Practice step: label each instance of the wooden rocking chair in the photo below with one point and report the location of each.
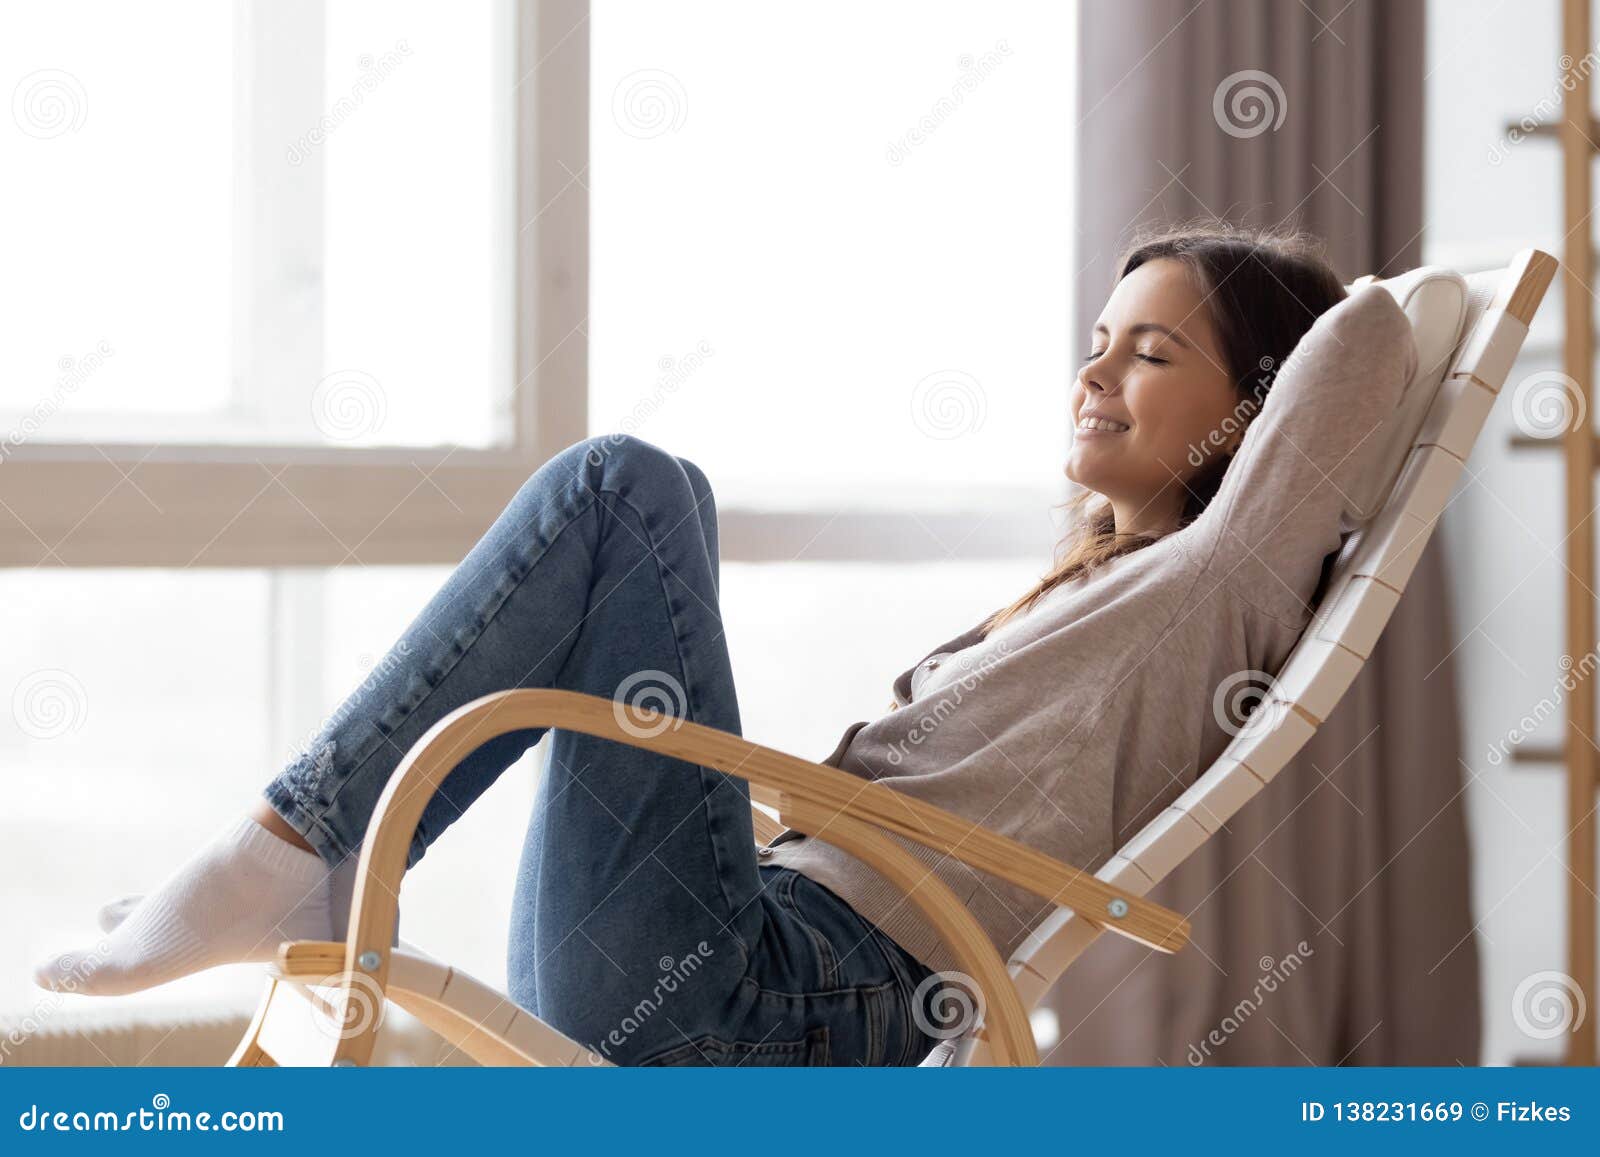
(323, 1001)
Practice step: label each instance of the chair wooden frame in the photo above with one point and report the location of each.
(809, 797)
(345, 985)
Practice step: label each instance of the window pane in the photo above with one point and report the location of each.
(834, 636)
(147, 707)
(144, 709)
(135, 727)
(258, 222)
(117, 220)
(419, 209)
(831, 242)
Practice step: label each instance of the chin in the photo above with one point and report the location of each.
(1100, 477)
(1081, 477)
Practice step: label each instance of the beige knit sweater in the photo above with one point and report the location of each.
(1078, 722)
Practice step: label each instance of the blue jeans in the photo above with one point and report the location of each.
(644, 925)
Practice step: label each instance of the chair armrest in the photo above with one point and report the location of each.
(786, 782)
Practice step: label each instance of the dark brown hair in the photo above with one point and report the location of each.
(1262, 288)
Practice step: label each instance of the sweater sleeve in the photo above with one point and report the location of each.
(1280, 509)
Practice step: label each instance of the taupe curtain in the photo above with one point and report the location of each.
(1332, 919)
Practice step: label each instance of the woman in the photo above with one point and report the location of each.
(1065, 720)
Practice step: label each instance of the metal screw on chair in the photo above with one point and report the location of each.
(1118, 907)
(369, 960)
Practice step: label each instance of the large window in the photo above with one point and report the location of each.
(258, 222)
(825, 252)
(830, 250)
(293, 290)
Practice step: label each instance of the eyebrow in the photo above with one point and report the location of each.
(1147, 327)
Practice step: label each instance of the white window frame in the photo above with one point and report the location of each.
(149, 504)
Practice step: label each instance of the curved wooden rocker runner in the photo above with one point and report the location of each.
(323, 1001)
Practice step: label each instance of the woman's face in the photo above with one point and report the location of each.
(1154, 402)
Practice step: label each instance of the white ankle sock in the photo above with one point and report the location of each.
(238, 899)
(116, 912)
(341, 885)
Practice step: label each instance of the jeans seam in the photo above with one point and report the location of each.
(763, 993)
(683, 669)
(304, 810)
(877, 1028)
(814, 1045)
(908, 988)
(825, 954)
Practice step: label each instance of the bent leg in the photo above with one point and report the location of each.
(511, 615)
(628, 849)
(642, 924)
(524, 922)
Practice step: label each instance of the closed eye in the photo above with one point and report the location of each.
(1150, 358)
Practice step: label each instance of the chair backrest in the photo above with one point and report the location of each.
(1468, 332)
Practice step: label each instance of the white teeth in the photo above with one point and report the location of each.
(1102, 424)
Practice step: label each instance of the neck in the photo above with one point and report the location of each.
(1150, 517)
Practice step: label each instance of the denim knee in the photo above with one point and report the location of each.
(698, 482)
(609, 463)
(616, 457)
(641, 472)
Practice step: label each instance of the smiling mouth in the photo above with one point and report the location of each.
(1102, 426)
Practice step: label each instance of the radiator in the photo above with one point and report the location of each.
(141, 1037)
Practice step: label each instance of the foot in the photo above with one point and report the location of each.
(116, 912)
(237, 900)
(341, 886)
